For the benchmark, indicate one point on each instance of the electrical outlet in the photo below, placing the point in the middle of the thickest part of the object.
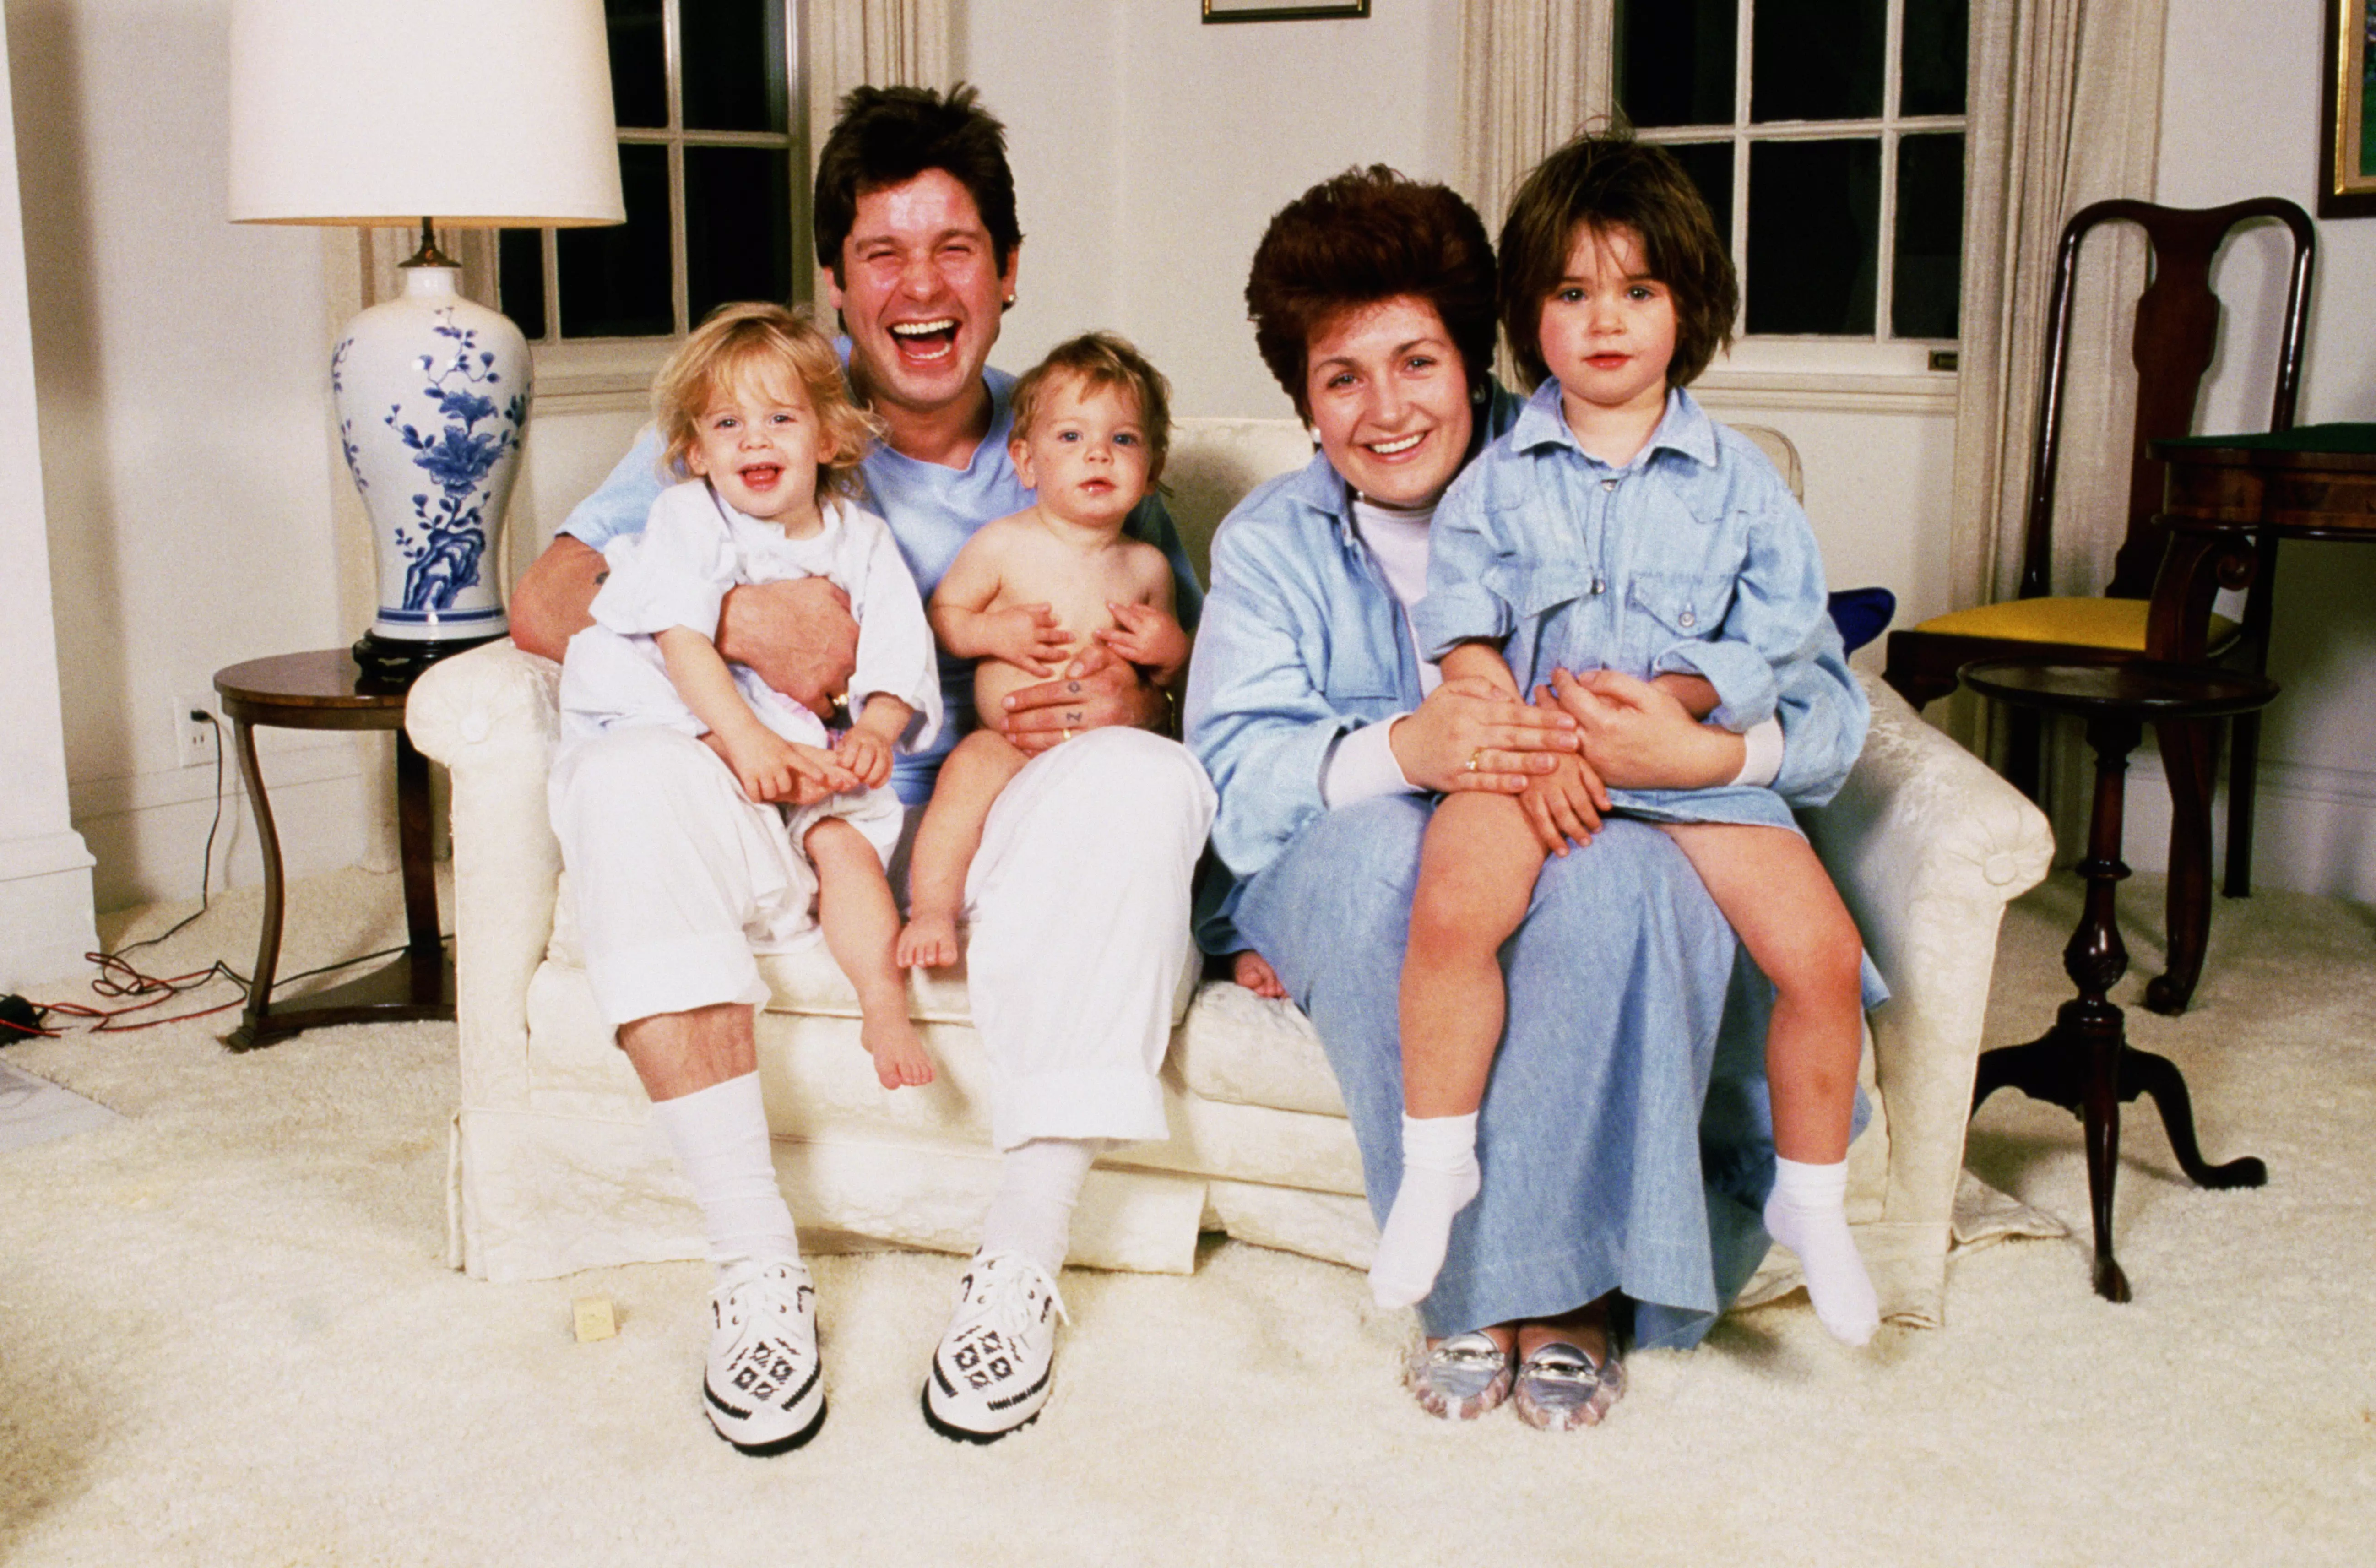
(196, 733)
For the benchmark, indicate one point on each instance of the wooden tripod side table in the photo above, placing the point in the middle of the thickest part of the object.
(2085, 1063)
(326, 690)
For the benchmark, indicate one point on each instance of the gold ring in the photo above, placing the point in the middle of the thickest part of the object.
(1068, 734)
(1473, 756)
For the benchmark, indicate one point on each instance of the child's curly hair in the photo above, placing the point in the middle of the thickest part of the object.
(762, 343)
(1102, 359)
(1604, 181)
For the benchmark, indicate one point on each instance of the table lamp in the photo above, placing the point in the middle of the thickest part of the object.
(478, 114)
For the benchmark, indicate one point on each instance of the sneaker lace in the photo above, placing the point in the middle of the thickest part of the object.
(1008, 1285)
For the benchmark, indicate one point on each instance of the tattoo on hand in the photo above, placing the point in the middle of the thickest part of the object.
(1073, 688)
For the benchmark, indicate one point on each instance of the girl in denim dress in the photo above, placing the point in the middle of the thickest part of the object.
(1615, 526)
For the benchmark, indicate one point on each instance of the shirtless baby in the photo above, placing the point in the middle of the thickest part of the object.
(1031, 591)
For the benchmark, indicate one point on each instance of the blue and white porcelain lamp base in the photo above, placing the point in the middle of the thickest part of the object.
(432, 392)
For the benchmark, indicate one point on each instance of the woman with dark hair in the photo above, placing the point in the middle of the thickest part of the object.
(1623, 1145)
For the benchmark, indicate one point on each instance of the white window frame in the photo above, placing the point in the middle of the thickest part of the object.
(1869, 365)
(595, 375)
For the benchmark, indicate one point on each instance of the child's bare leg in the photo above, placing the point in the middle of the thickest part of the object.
(860, 922)
(1477, 876)
(1782, 904)
(971, 776)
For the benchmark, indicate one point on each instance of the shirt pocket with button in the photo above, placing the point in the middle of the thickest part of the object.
(1673, 607)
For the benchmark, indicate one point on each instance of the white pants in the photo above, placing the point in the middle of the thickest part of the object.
(678, 877)
(1076, 906)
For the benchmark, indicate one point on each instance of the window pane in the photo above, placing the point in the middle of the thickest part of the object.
(1814, 209)
(1932, 78)
(616, 282)
(1710, 166)
(733, 65)
(1929, 280)
(737, 226)
(638, 62)
(519, 280)
(1674, 61)
(1816, 59)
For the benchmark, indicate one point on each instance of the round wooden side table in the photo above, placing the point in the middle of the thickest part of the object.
(326, 690)
(2085, 1063)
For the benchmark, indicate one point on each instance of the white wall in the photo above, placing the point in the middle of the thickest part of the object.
(45, 905)
(181, 370)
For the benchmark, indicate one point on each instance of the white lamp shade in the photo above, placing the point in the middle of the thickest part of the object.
(478, 113)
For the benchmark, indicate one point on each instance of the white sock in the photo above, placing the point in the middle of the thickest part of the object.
(720, 1135)
(1440, 1177)
(1808, 1213)
(1032, 1211)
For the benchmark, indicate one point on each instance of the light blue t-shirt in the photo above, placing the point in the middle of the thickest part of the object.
(932, 510)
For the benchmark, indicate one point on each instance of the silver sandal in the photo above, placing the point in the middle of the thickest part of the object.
(1459, 1378)
(1560, 1388)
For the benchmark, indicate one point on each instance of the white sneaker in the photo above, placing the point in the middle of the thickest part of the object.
(994, 1369)
(764, 1388)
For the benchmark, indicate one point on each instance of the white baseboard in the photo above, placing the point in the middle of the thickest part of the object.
(2313, 828)
(45, 909)
(148, 831)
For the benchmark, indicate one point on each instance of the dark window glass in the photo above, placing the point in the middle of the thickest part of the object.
(638, 62)
(1710, 166)
(1674, 61)
(1928, 281)
(733, 53)
(615, 281)
(737, 226)
(1816, 59)
(1931, 78)
(1814, 213)
(519, 280)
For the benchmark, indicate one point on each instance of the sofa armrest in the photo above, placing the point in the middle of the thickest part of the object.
(1927, 847)
(491, 715)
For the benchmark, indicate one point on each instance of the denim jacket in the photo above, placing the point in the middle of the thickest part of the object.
(1693, 558)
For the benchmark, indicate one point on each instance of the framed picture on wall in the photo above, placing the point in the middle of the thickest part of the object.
(2346, 181)
(1279, 10)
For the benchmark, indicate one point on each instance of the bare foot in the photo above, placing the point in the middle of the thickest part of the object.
(927, 942)
(900, 1060)
(1253, 971)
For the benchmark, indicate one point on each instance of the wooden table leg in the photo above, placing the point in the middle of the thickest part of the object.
(254, 1022)
(424, 953)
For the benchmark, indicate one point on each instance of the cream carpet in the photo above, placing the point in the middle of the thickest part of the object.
(227, 1337)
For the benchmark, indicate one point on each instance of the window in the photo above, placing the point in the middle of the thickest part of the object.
(1828, 139)
(711, 169)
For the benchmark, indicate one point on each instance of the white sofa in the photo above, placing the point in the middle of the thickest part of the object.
(554, 1168)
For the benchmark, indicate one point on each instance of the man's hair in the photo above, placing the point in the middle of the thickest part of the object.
(1364, 237)
(1603, 181)
(1099, 359)
(887, 135)
(773, 346)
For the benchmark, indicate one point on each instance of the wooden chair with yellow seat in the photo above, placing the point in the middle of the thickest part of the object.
(2176, 336)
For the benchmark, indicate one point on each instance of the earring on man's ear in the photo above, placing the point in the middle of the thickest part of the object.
(1477, 394)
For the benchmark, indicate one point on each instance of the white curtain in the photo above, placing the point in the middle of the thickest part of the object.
(2065, 110)
(1532, 73)
(850, 44)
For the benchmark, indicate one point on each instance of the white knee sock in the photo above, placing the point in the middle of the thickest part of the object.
(720, 1135)
(1440, 1177)
(1807, 1212)
(1037, 1184)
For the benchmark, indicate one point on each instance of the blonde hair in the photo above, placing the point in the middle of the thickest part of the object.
(759, 341)
(1101, 360)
